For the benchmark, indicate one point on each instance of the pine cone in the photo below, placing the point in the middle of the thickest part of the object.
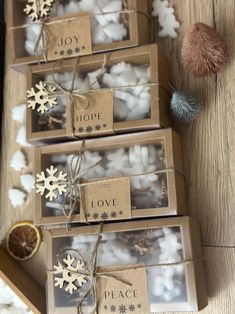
(53, 121)
(204, 51)
(137, 241)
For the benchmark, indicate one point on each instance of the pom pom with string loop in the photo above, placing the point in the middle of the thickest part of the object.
(204, 50)
(184, 107)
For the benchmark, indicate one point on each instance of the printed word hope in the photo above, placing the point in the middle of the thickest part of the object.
(90, 117)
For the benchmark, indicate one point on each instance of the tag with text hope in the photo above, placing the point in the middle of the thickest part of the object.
(106, 199)
(68, 37)
(97, 118)
(116, 297)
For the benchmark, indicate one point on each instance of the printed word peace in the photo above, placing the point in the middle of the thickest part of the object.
(127, 294)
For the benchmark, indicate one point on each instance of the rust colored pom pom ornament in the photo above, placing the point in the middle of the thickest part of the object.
(204, 51)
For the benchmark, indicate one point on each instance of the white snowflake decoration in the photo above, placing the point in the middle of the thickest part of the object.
(41, 96)
(38, 9)
(70, 274)
(51, 183)
(166, 18)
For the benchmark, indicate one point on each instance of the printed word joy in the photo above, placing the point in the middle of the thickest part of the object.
(68, 41)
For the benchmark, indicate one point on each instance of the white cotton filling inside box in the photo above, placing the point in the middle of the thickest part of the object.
(10, 302)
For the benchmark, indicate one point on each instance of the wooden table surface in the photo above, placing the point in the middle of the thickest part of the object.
(209, 154)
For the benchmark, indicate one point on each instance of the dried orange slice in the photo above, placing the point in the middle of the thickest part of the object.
(23, 240)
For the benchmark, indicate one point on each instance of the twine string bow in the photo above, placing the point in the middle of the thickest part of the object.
(78, 98)
(74, 192)
(42, 39)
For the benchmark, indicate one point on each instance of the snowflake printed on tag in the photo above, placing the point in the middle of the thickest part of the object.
(51, 183)
(70, 274)
(38, 9)
(41, 96)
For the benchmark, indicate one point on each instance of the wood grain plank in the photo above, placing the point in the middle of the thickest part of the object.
(208, 142)
(220, 276)
(15, 88)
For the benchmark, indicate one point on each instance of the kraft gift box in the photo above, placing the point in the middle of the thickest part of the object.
(126, 176)
(135, 15)
(145, 266)
(63, 122)
(22, 285)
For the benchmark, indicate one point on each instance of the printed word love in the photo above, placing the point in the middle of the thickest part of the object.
(103, 203)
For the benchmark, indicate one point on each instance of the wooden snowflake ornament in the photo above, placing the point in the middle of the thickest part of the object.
(70, 278)
(51, 183)
(38, 9)
(41, 97)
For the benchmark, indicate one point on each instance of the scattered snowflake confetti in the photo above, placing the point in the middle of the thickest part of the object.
(18, 161)
(27, 181)
(166, 18)
(21, 137)
(17, 197)
(18, 113)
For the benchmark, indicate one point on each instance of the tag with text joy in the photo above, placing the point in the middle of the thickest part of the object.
(69, 37)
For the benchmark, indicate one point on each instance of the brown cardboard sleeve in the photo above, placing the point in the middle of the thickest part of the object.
(159, 73)
(22, 285)
(196, 295)
(139, 22)
(173, 160)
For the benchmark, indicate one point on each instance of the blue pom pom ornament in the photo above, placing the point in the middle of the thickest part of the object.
(184, 107)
